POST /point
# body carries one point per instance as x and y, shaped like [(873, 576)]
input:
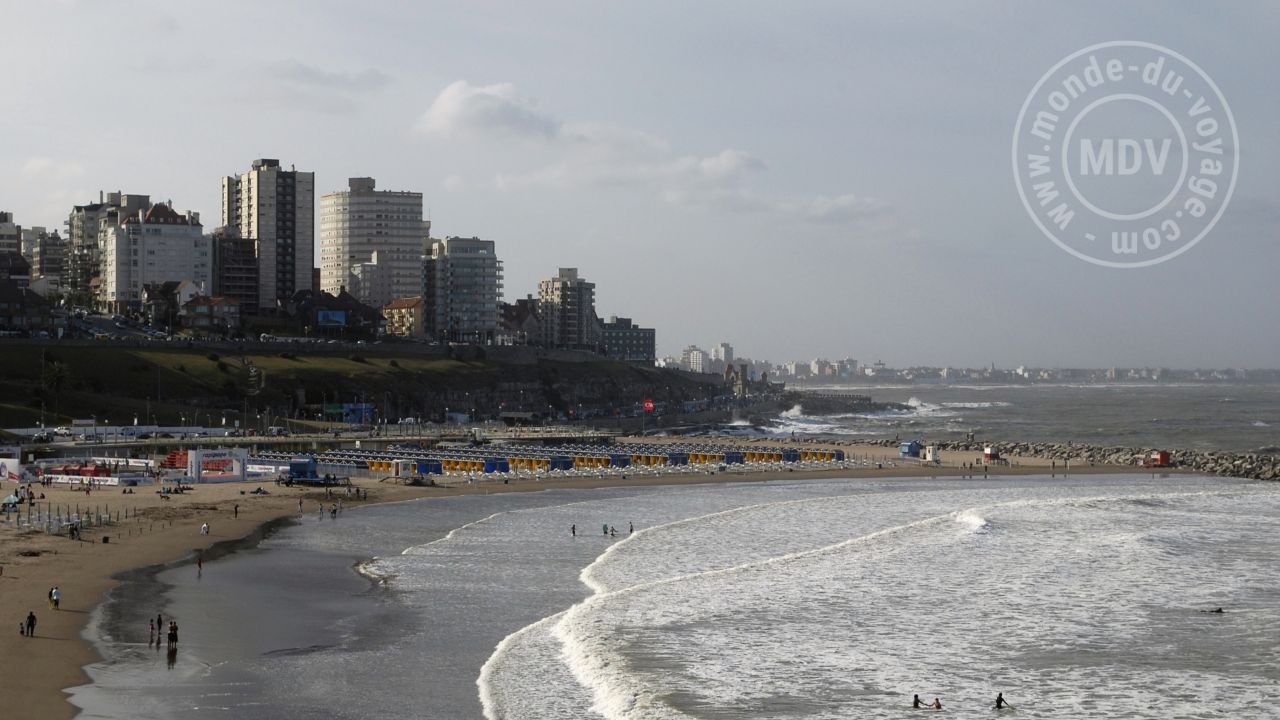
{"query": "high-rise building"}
[(622, 339), (722, 352), (567, 304), (85, 227), (276, 209), (235, 268), (152, 247), (362, 227), (45, 250), (462, 290), (10, 233)]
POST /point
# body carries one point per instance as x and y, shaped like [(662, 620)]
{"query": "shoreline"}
[(88, 570)]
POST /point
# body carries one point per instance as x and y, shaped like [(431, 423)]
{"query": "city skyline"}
[(847, 166)]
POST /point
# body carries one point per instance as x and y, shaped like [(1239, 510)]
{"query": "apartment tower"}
[(275, 208)]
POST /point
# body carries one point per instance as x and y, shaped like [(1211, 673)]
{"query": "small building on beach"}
[(910, 449)]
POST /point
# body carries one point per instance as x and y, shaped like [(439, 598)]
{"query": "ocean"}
[(1225, 417), (1079, 597)]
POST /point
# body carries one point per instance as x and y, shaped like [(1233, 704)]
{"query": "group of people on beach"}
[(606, 529), (918, 704), (157, 626)]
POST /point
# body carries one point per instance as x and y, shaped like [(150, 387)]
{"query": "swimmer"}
[(937, 704)]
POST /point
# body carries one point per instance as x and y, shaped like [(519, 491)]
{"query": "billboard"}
[(331, 318), (10, 464)]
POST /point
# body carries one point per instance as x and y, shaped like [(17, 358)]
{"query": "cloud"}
[(45, 168), (588, 155), (463, 108), (299, 73), (297, 86)]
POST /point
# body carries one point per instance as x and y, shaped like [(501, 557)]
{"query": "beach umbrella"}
[(11, 500)]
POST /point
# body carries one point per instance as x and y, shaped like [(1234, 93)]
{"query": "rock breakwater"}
[(1256, 466)]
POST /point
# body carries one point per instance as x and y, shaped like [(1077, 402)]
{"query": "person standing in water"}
[(573, 530), (937, 704), (916, 704), (1000, 703)]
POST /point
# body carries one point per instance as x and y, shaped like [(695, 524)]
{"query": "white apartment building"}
[(363, 226), (276, 209), (722, 352), (463, 290), (154, 246), (567, 304)]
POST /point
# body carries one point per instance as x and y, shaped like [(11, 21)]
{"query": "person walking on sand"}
[(204, 529), (56, 595), (50, 598), (299, 506), (151, 632), (31, 624), (235, 511)]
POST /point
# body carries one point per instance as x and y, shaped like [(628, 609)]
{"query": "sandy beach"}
[(156, 531)]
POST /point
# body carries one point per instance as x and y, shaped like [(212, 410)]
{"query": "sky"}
[(800, 180)]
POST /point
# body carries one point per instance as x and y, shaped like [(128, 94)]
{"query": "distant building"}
[(46, 252), (695, 359), (462, 290), (405, 317), (520, 322), (20, 308), (82, 265), (151, 247), (15, 269), (10, 233), (276, 209), (340, 315), (211, 314), (567, 305), (722, 352), (621, 339), (235, 269), (362, 227)]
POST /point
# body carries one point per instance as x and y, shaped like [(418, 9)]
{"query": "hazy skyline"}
[(827, 179)]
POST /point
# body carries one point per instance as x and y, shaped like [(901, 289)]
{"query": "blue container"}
[(430, 467)]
